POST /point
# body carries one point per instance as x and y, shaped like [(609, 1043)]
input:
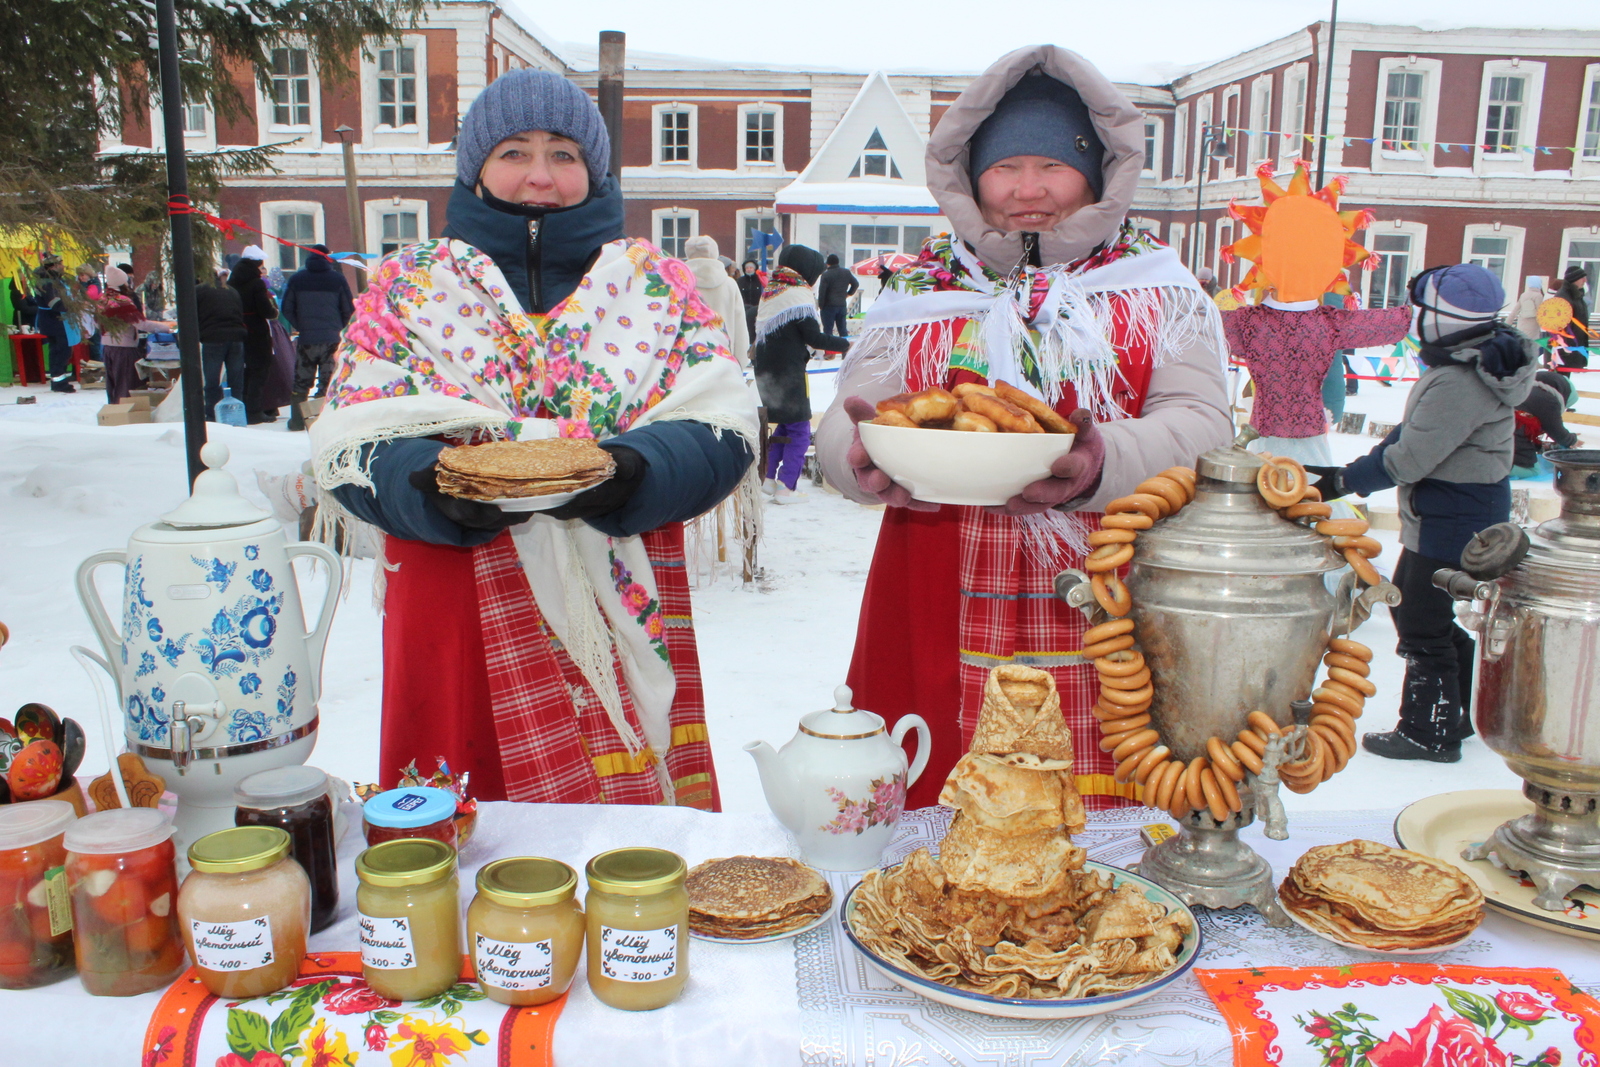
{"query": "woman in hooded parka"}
[(1035, 165), (552, 657)]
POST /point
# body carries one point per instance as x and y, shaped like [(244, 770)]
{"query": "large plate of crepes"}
[(1011, 918), (975, 444), (524, 475)]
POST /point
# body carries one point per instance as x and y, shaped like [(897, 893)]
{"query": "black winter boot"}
[(297, 418), (1431, 719), (1396, 745)]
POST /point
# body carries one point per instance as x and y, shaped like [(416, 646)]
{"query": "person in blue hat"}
[(1451, 458)]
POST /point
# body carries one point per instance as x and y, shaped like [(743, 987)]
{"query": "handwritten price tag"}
[(639, 955), (386, 944), (240, 946)]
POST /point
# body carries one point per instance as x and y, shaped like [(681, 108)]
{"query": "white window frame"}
[(1261, 102), (1519, 161), (1204, 113), (375, 136), (776, 111), (692, 214), (1292, 144), (1515, 237), (1415, 158), (739, 219), (375, 210), (1575, 233), (1199, 247), (271, 209), (193, 142), (1180, 140), (1153, 170), (693, 162), (1418, 231), (1219, 267), (1230, 168), (273, 132), (1176, 232), (1588, 166)]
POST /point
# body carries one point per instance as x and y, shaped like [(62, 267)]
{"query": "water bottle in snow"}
[(230, 412)]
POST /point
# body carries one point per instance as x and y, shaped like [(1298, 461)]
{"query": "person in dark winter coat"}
[(1451, 459), (221, 313), (750, 286), (1539, 421), (318, 304), (786, 331), (52, 297), (120, 352), (1574, 287), (259, 311), (834, 290)]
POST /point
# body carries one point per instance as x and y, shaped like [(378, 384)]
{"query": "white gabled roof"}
[(875, 108)]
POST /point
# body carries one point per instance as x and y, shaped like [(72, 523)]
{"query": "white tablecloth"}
[(812, 1000)]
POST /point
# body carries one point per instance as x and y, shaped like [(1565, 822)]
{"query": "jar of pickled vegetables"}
[(244, 911), (408, 909), (35, 908), (525, 930), (124, 885), (637, 915)]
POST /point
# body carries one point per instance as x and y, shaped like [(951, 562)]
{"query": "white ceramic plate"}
[(951, 467), (537, 503), (812, 925), (1441, 826), (1433, 951), (1027, 1008)]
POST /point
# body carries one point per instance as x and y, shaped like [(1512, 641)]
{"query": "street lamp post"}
[(352, 199), (1213, 145)]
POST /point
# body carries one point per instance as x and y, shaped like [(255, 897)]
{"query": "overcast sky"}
[(1131, 40)]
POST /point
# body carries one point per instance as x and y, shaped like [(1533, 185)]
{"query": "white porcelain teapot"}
[(217, 676), (840, 784)]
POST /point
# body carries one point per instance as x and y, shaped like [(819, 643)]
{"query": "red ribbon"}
[(180, 205)]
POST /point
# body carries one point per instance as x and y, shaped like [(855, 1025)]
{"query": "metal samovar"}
[(1233, 611), (1536, 607)]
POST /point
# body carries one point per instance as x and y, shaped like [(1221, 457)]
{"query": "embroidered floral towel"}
[(331, 1018), (1406, 1015)]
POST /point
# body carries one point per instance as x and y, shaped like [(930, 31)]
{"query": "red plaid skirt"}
[(472, 674)]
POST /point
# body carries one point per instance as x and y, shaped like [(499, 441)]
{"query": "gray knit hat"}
[(1040, 116), (523, 100)]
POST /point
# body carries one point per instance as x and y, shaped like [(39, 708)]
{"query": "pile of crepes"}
[(1006, 908), (500, 470), (972, 406), (743, 898), (1367, 894)]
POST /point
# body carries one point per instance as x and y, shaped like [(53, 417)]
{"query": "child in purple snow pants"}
[(786, 451)]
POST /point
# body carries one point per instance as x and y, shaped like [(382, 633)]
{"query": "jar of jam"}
[(35, 908), (409, 911), (124, 883), (411, 811), (525, 930), (296, 799), (638, 927), (244, 910)]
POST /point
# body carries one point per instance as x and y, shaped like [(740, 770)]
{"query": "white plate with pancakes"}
[(532, 475), (769, 938), (548, 502), (754, 900), (1432, 951), (1443, 825)]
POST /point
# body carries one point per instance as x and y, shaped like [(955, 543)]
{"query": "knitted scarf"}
[(786, 298)]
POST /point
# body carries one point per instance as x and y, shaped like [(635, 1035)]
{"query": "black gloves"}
[(1328, 483), (611, 494), (471, 514)]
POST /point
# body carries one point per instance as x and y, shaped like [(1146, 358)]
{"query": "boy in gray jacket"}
[(1451, 459)]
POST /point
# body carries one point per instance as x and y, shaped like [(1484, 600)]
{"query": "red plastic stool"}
[(28, 348)]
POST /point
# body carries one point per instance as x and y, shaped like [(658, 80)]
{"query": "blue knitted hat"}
[(1039, 116), (524, 100), (1454, 301)]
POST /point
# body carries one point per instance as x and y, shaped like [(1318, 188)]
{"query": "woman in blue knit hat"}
[(550, 655)]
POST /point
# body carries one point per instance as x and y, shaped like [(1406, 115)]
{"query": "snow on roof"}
[(856, 197)]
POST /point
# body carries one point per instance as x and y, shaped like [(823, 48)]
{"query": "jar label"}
[(240, 946), (58, 900), (514, 965), (639, 955), (386, 943)]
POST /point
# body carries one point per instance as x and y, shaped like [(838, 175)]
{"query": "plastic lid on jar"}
[(27, 824), (410, 807), (239, 849), (117, 831), (635, 871), (285, 787), (407, 861), (527, 882)]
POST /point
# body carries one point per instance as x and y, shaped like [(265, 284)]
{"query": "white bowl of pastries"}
[(976, 444)]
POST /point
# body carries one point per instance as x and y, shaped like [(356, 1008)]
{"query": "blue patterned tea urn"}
[(217, 675)]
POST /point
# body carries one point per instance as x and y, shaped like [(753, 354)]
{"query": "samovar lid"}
[(215, 499), (1230, 464)]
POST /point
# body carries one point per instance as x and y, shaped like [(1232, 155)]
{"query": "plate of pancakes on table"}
[(751, 900), (1368, 896), (973, 444), (524, 475)]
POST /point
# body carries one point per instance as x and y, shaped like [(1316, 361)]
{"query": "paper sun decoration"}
[(1299, 241)]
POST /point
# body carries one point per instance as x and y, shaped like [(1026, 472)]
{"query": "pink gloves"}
[(868, 477)]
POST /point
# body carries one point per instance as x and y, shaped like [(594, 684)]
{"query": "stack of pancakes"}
[(501, 469), (1382, 898), (746, 897)]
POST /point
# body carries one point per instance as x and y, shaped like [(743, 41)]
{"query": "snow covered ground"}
[(772, 651)]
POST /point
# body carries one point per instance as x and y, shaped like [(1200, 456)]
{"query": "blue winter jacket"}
[(317, 302)]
